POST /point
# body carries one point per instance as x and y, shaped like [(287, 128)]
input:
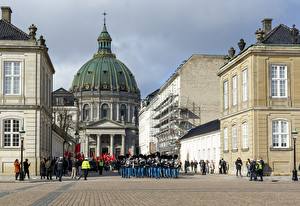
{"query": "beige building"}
[(261, 99), (190, 97), (26, 76)]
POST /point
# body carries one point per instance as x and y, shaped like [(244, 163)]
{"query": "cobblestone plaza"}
[(186, 190)]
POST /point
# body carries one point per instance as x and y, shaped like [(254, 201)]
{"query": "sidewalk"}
[(33, 179)]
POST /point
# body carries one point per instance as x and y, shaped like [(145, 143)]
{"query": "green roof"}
[(104, 71)]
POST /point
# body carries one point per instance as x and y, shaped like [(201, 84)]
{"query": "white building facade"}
[(26, 76), (202, 143)]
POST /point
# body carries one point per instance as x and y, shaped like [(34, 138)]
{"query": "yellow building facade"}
[(260, 90)]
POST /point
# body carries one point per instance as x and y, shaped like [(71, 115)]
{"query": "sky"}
[(152, 37)]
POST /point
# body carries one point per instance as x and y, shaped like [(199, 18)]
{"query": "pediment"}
[(105, 124)]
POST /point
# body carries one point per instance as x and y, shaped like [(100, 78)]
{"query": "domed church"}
[(108, 100)]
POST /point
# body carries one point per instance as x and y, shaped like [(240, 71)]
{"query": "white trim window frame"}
[(11, 135), (245, 85), (12, 78), (234, 90), (225, 136), (280, 133), (225, 94), (234, 137), (279, 81), (245, 135)]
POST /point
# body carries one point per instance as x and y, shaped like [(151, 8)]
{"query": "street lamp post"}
[(295, 176), (22, 133)]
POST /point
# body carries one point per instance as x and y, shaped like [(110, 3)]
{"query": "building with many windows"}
[(147, 140), (190, 97), (261, 99), (26, 76)]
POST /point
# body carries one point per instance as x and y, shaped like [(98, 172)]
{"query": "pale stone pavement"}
[(187, 190)]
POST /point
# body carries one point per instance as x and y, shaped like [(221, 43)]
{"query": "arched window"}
[(105, 111), (86, 112), (11, 133), (123, 112)]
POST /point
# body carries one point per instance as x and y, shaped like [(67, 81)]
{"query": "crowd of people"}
[(138, 166), (205, 166), (151, 166)]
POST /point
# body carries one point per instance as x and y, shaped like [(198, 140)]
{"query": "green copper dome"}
[(104, 71)]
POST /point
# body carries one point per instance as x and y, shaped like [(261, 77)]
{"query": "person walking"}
[(195, 166), (85, 167), (186, 165), (248, 167), (17, 168), (101, 165), (74, 170), (43, 168), (253, 170), (260, 168), (49, 168), (238, 166), (60, 167), (26, 166)]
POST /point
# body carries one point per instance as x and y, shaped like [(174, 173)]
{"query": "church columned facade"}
[(108, 100)]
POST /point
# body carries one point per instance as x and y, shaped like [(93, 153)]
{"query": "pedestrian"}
[(74, 170), (78, 166), (49, 168), (220, 166), (248, 167), (238, 166), (26, 166), (85, 167), (186, 165), (253, 170), (195, 166), (192, 166), (43, 168), (260, 168), (17, 168), (101, 165), (212, 167), (60, 167)]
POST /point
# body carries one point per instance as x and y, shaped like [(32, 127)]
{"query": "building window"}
[(86, 112), (12, 78), (104, 111), (225, 92), (245, 84), (11, 133), (245, 135), (279, 81), (234, 137), (234, 90), (225, 134), (280, 134), (123, 112)]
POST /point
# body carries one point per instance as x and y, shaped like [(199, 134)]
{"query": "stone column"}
[(123, 145), (98, 153), (128, 113), (118, 112), (111, 144), (111, 111)]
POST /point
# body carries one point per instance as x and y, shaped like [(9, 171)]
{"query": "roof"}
[(62, 91), (281, 34), (203, 129), (10, 32)]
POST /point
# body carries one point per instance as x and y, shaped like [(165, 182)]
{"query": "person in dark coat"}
[(49, 168), (253, 170), (26, 166), (43, 168), (60, 167), (238, 166)]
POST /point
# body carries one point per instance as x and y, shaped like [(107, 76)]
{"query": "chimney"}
[(266, 25), (6, 13)]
